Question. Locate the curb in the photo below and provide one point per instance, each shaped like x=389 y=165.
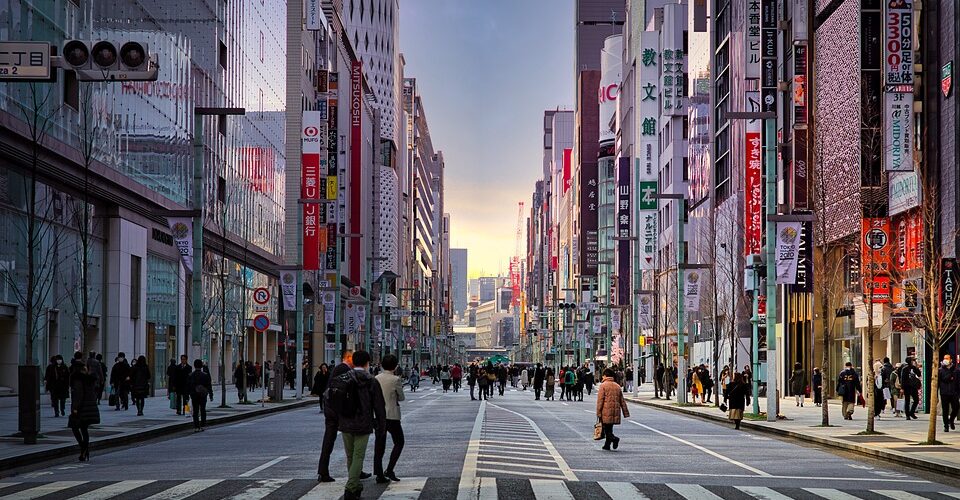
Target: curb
x=32 y=458
x=852 y=447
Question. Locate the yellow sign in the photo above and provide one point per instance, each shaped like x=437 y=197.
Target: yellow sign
x=642 y=340
x=331 y=188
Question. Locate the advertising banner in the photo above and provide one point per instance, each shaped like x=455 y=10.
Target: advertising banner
x=567 y=169
x=181 y=228
x=788 y=251
x=288 y=289
x=310 y=188
x=692 y=284
x=623 y=224
x=876 y=248
x=646 y=309
x=799 y=185
x=611 y=63
x=649 y=106
x=904 y=189
x=804 y=281
x=898 y=131
x=948 y=286
x=356 y=167
x=753 y=188
x=752 y=39
x=800 y=83
x=908 y=246
x=648 y=239
x=898 y=43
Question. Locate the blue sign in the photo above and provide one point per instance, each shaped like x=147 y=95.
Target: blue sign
x=261 y=322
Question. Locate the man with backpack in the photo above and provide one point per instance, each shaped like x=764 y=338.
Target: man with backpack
x=910 y=387
x=330 y=420
x=357 y=399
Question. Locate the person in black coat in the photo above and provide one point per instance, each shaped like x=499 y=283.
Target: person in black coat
x=120 y=381
x=200 y=388
x=140 y=383
x=181 y=381
x=57 y=381
x=817 y=387
x=735 y=394
x=320 y=382
x=848 y=385
x=331 y=423
x=538 y=376
x=909 y=377
x=370 y=416
x=83 y=404
x=239 y=381
x=948 y=382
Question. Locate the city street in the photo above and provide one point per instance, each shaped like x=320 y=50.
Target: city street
x=510 y=447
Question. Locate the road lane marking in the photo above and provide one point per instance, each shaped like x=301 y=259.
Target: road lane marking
x=5 y=485
x=408 y=489
x=622 y=491
x=693 y=491
x=550 y=490
x=260 y=489
x=514 y=457
x=487 y=489
x=515 y=465
x=763 y=493
x=513 y=442
x=561 y=463
x=112 y=490
x=750 y=476
x=325 y=491
x=898 y=495
x=184 y=490
x=468 y=488
x=532 y=453
x=264 y=466
x=705 y=450
x=516 y=473
x=43 y=489
x=830 y=494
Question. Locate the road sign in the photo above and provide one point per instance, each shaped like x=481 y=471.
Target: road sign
x=24 y=61
x=261 y=295
x=261 y=322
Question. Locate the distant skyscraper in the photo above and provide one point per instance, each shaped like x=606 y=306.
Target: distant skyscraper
x=458 y=270
x=488 y=288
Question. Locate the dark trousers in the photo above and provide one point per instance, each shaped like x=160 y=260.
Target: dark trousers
x=59 y=404
x=536 y=391
x=910 y=402
x=199 y=411
x=329 y=440
x=380 y=447
x=82 y=434
x=817 y=395
x=122 y=394
x=138 y=402
x=657 y=388
x=608 y=433
x=182 y=399
x=503 y=385
x=949 y=406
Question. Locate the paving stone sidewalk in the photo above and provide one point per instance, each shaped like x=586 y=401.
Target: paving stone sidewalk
x=899 y=441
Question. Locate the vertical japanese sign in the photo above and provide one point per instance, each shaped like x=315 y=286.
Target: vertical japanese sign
x=948 y=285
x=908 y=246
x=330 y=259
x=752 y=39
x=648 y=157
x=567 y=169
x=692 y=285
x=623 y=231
x=898 y=131
x=673 y=67
x=753 y=187
x=876 y=245
x=768 y=55
x=898 y=43
x=309 y=188
x=356 y=168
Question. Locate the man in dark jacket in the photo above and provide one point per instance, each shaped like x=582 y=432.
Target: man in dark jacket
x=369 y=415
x=848 y=385
x=657 y=381
x=538 y=376
x=57 y=381
x=909 y=377
x=120 y=380
x=200 y=387
x=331 y=422
x=181 y=383
x=95 y=369
x=949 y=384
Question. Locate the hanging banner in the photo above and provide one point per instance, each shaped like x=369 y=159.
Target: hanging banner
x=646 y=309
x=908 y=245
x=876 y=245
x=788 y=251
x=948 y=287
x=799 y=185
x=800 y=83
x=904 y=191
x=752 y=40
x=623 y=231
x=288 y=289
x=898 y=43
x=898 y=131
x=181 y=228
x=692 y=284
x=310 y=187
x=356 y=168
x=753 y=187
x=315 y=17
x=804 y=280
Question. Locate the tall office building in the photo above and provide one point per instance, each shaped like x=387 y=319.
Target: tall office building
x=458 y=269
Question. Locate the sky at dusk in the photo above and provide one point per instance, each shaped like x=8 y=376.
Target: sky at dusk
x=487 y=70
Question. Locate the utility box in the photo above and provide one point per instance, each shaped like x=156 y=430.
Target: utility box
x=28 y=394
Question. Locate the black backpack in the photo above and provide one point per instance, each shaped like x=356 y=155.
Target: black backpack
x=343 y=395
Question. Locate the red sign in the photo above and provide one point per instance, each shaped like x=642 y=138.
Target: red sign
x=356 y=169
x=908 y=244
x=309 y=190
x=753 y=195
x=876 y=244
x=567 y=175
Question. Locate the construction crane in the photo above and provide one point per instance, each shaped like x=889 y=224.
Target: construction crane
x=515 y=279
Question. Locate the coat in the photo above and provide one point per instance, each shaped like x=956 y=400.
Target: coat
x=57 y=381
x=200 y=384
x=181 y=377
x=372 y=411
x=392 y=388
x=948 y=381
x=320 y=383
x=798 y=382
x=83 y=396
x=736 y=395
x=97 y=369
x=610 y=402
x=849 y=380
x=120 y=374
x=140 y=381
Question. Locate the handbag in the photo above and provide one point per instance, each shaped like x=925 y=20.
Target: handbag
x=901 y=404
x=723 y=407
x=886 y=393
x=597 y=430
x=186 y=408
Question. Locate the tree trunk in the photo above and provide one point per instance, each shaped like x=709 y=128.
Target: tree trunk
x=934 y=401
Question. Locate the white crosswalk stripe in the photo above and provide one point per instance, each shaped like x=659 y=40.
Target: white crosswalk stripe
x=545 y=486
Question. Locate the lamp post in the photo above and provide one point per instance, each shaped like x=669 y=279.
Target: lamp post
x=634 y=321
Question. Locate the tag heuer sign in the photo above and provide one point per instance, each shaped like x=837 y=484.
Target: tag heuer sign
x=946 y=78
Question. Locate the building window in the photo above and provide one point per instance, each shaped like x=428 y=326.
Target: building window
x=223 y=55
x=71 y=90
x=221 y=190
x=222 y=124
x=134 y=287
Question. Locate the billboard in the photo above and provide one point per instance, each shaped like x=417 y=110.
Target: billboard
x=356 y=167
x=876 y=244
x=898 y=43
x=898 y=131
x=310 y=188
x=753 y=187
x=611 y=62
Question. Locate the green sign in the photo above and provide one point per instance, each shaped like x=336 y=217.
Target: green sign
x=647 y=198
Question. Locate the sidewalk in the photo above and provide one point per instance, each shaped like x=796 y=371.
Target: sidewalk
x=118 y=428
x=898 y=443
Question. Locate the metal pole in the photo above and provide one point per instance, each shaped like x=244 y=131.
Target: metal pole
x=196 y=328
x=299 y=328
x=681 y=362
x=755 y=350
x=770 y=161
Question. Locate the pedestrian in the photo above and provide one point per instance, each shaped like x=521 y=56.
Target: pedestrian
x=910 y=386
x=331 y=422
x=181 y=384
x=357 y=416
x=657 y=380
x=472 y=379
x=707 y=381
x=445 y=378
x=578 y=384
x=414 y=379
x=948 y=382
x=171 y=383
x=798 y=383
x=570 y=381
x=610 y=405
x=895 y=390
x=456 y=374
x=735 y=395
x=320 y=381
x=879 y=398
x=483 y=382
x=140 y=378
x=491 y=378
x=669 y=376
x=84 y=411
x=56 y=379
x=885 y=372
x=551 y=381
x=748 y=379
x=561 y=381
x=120 y=381
x=392 y=387
x=200 y=387
x=251 y=374
x=628 y=379
x=501 y=378
x=817 y=387
x=538 y=376
x=696 y=388
x=98 y=371
x=848 y=385
x=524 y=379
x=239 y=381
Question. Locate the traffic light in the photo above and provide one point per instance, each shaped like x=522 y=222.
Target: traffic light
x=101 y=60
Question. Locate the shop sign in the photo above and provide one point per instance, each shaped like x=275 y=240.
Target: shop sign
x=876 y=244
x=799 y=185
x=752 y=39
x=948 y=287
x=946 y=78
x=800 y=83
x=898 y=131
x=649 y=108
x=908 y=247
x=904 y=191
x=768 y=55
x=648 y=246
x=804 y=280
x=356 y=166
x=898 y=43
x=753 y=190
x=623 y=231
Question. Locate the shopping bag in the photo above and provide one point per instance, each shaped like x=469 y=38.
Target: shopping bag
x=886 y=393
x=597 y=431
x=900 y=405
x=186 y=408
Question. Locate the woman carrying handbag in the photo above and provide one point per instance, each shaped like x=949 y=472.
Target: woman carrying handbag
x=610 y=405
x=83 y=404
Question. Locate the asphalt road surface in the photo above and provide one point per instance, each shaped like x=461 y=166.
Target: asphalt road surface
x=510 y=447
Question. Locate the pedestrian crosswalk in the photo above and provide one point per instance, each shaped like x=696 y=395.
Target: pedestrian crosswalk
x=422 y=488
